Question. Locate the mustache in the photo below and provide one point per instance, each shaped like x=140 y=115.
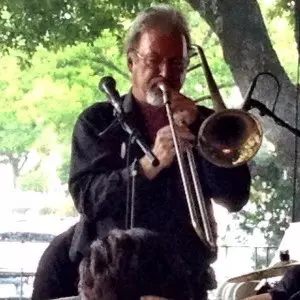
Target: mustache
x=154 y=95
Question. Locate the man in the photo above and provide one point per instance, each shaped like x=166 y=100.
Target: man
x=157 y=51
x=132 y=265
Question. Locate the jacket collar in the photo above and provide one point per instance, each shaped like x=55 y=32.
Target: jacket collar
x=131 y=111
x=128 y=105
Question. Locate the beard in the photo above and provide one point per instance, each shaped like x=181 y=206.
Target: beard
x=154 y=96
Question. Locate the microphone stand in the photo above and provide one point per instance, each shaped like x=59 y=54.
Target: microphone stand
x=134 y=136
x=262 y=108
x=264 y=111
x=134 y=172
x=108 y=85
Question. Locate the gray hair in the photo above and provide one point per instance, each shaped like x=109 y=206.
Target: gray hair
x=163 y=17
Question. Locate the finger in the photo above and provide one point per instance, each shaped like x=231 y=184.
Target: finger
x=185 y=113
x=166 y=144
x=164 y=130
x=164 y=137
x=183 y=117
x=179 y=100
x=185 y=133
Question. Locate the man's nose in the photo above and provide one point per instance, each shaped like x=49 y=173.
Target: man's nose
x=164 y=69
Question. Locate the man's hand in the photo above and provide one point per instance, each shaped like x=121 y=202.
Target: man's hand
x=164 y=149
x=185 y=109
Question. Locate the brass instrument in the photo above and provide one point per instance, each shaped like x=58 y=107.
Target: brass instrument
x=227 y=138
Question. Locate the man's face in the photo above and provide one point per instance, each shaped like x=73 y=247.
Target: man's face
x=159 y=56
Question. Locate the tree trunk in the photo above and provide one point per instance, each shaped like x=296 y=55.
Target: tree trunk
x=247 y=49
x=297 y=24
x=17 y=163
x=15 y=168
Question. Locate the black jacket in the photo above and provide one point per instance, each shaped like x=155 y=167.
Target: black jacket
x=56 y=275
x=100 y=176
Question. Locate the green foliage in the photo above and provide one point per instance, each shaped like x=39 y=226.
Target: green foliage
x=35 y=180
x=63 y=171
x=19 y=122
x=47 y=210
x=54 y=24
x=41 y=103
x=282 y=8
x=280 y=26
x=269 y=209
x=27 y=24
x=262 y=257
x=196 y=86
x=18 y=125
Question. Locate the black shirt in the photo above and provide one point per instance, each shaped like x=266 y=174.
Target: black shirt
x=99 y=178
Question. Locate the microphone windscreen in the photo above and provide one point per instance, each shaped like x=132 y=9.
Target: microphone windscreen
x=107 y=82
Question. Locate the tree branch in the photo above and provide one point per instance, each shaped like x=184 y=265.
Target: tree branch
x=221 y=86
x=4 y=160
x=25 y=158
x=112 y=66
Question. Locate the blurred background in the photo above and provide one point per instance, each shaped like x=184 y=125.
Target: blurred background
x=52 y=56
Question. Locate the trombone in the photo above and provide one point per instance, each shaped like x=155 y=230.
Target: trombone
x=227 y=138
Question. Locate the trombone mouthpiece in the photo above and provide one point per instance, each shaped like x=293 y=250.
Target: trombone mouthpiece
x=155 y=94
x=162 y=87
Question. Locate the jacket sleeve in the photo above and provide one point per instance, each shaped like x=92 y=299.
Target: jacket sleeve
x=229 y=187
x=98 y=181
x=288 y=286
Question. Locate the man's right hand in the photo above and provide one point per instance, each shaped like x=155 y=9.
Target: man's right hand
x=164 y=149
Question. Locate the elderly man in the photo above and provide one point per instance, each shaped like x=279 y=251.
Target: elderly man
x=157 y=51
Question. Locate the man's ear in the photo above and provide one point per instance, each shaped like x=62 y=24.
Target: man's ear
x=129 y=61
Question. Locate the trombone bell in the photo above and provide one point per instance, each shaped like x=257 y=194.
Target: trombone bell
x=229 y=138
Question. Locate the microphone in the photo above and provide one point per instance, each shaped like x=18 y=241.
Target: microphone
x=162 y=86
x=108 y=85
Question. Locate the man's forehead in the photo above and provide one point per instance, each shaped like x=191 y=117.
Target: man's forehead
x=154 y=40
